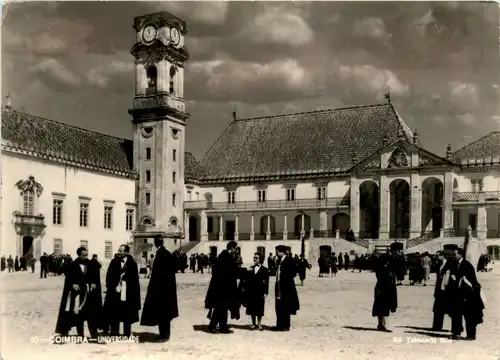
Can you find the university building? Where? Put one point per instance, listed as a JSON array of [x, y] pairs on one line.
[[303, 180]]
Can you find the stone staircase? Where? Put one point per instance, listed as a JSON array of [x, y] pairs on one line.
[[428, 236], [189, 246]]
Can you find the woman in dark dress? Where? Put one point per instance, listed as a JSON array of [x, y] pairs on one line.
[[386, 295], [256, 290], [333, 265]]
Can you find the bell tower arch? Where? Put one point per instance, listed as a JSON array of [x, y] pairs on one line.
[[159, 119]]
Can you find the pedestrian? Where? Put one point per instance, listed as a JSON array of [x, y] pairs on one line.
[[386, 296], [255, 291]]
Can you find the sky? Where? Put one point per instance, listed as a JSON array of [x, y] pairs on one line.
[[71, 62]]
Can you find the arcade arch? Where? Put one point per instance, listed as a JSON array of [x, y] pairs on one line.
[[369, 215], [399, 208]]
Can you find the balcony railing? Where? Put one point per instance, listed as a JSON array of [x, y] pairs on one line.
[[471, 196], [311, 203], [195, 205], [29, 225]]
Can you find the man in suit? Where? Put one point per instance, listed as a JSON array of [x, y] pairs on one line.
[[160, 306], [466, 300], [440, 294], [287, 299]]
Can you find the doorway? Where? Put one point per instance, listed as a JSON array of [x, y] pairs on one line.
[[494, 252], [437, 218], [27, 246], [230, 229], [193, 228], [325, 251]]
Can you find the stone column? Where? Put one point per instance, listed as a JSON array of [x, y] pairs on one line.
[[221, 226], [236, 221], [268, 232], [186, 226], [141, 82], [384, 208], [448, 202], [354, 206], [323, 222], [285, 227], [252, 228], [415, 206], [302, 229], [204, 225], [482, 217]]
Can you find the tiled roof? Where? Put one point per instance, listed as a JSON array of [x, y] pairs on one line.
[[191, 167], [321, 141], [485, 150], [43, 137]]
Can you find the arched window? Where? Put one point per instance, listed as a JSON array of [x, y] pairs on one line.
[[263, 225], [29, 202], [152, 75], [147, 221], [298, 224], [173, 72]]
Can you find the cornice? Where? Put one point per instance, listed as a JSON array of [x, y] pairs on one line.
[[60, 160]]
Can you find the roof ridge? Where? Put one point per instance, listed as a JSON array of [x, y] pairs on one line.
[[466, 146], [67, 125], [310, 112]]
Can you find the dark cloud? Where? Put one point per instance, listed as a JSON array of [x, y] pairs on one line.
[[438, 59]]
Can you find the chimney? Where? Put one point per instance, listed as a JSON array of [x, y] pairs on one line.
[[234, 115], [415, 137], [448, 151], [387, 96]]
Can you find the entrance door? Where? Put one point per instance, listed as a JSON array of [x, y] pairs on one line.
[[494, 252], [325, 251], [27, 246], [437, 218], [230, 229], [193, 229]]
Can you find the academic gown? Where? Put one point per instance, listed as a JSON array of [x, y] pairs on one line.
[[223, 289], [160, 305], [115, 309], [82, 305], [302, 266], [386, 293], [285, 287], [256, 286], [441, 296]]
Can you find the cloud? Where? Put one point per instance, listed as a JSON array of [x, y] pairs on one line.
[[464, 95], [277, 26], [468, 119], [371, 27], [101, 76], [373, 79], [55, 75], [204, 12]]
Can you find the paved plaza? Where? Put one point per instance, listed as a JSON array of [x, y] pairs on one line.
[[334, 322]]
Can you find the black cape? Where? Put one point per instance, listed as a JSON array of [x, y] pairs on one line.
[[223, 288], [285, 287]]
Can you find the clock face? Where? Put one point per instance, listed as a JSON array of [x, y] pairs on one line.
[[149, 33], [175, 36]]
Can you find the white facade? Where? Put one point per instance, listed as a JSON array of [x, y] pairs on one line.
[[73, 187]]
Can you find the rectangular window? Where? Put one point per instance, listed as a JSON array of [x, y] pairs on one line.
[[290, 194], [148, 176], [84, 215], [58, 246], [174, 175], [230, 197], [85, 244], [261, 196], [108, 217], [108, 249], [173, 200], [189, 194], [29, 203], [476, 185], [148, 153], [321, 193], [57, 208], [174, 155], [197, 196], [129, 221], [148, 198]]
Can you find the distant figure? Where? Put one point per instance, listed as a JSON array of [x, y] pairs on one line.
[[346, 261], [3, 264], [340, 261], [10, 263], [386, 295], [426, 265], [149, 266], [16, 264], [333, 265], [303, 266], [256, 290], [32, 262], [160, 305], [44, 265], [286, 297]]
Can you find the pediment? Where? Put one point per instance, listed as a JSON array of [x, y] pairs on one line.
[[399, 156], [428, 159]]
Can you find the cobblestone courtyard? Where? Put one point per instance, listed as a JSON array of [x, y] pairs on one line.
[[335, 320]]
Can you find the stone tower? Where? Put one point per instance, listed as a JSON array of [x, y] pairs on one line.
[[159, 118]]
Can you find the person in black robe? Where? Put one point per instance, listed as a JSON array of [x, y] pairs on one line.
[[399, 267], [386, 295], [44, 265], [160, 306], [3, 263], [466, 297], [286, 297], [303, 266], [256, 290], [123, 294], [222, 294], [347, 260], [81, 299], [16, 263], [441, 300], [340, 261], [333, 265]]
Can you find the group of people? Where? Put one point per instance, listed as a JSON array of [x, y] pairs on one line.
[[457, 292], [19, 263], [301, 264], [81, 299]]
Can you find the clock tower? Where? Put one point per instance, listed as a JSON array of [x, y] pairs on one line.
[[159, 118]]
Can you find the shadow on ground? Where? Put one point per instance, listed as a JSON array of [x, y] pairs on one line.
[[359, 328]]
